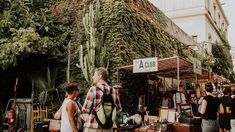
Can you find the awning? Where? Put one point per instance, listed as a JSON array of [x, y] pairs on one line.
[[167, 67]]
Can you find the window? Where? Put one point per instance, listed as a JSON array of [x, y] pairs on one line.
[[194, 37], [222, 26], [218, 20], [209, 37]]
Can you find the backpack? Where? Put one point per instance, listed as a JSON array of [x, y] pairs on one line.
[[106, 112]]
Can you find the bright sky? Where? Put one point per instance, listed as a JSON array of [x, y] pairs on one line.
[[230, 12]]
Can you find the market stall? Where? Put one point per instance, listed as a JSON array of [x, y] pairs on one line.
[[173, 67], [176, 67]]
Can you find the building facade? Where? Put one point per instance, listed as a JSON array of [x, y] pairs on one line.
[[233, 58], [203, 20]]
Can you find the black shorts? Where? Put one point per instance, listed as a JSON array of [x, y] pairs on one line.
[[224, 121]]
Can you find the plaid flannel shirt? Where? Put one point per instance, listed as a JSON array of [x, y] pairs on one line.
[[92, 101]]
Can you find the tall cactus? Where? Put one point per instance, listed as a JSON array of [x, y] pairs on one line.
[[95, 52]]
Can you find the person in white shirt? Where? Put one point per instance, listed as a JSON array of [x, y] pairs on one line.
[[70, 108], [179, 97]]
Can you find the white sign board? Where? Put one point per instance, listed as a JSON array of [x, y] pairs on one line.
[[145, 65], [197, 68]]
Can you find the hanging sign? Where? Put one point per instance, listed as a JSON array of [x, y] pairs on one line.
[[197, 66], [145, 65]]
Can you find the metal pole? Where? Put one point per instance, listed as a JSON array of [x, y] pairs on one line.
[[32, 97], [32, 94], [68, 64], [178, 73], [164, 85], [15, 89], [118, 75]]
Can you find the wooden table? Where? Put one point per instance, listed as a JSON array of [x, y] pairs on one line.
[[177, 127], [145, 129], [124, 129], [148, 129], [180, 127]]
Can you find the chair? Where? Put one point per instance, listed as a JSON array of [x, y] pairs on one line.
[[38, 114]]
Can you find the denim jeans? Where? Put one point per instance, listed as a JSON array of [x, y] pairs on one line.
[[210, 125]]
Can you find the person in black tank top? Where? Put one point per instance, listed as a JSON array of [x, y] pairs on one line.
[[227, 102], [212, 107], [209, 108]]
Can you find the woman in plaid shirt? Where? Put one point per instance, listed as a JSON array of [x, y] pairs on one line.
[[93, 99]]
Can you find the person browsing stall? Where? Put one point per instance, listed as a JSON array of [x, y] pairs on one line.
[[227, 102], [70, 108], [210, 107], [179, 97], [94, 98]]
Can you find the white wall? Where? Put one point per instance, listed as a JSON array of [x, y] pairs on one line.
[[172, 5], [180, 7], [211, 30], [190, 16], [198, 25], [193, 26], [215, 12]]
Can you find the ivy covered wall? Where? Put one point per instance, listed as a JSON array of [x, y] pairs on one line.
[[130, 31]]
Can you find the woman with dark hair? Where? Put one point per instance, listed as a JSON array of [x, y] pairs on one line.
[[69, 108], [227, 102], [209, 109]]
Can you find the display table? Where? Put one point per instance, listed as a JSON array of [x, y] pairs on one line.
[[129, 128], [145, 129], [123, 130], [152, 129], [176, 127], [180, 127]]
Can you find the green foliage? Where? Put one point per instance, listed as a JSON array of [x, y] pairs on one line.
[[32, 28], [127, 34], [21, 42], [95, 50], [49, 83], [223, 60], [232, 77], [121, 33], [46, 87], [160, 17], [87, 60], [223, 36], [208, 61]]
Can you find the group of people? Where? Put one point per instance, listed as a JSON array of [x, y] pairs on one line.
[[73, 114], [216, 111]]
